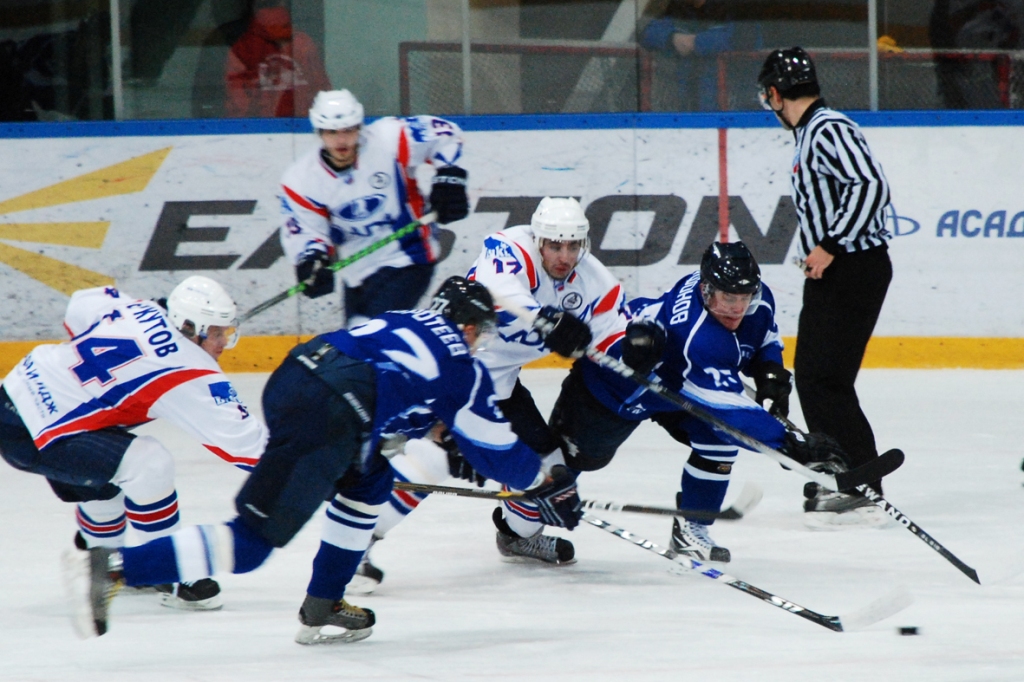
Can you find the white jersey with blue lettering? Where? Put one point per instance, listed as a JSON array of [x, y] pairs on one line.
[[126, 365], [352, 209], [510, 266]]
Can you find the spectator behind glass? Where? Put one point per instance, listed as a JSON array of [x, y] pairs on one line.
[[272, 70], [966, 82], [694, 33]]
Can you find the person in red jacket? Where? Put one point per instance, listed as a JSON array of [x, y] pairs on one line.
[[272, 70]]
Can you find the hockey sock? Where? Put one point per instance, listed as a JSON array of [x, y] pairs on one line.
[[102, 522], [153, 563], [705, 480], [155, 519], [522, 517], [344, 539], [422, 461], [333, 568]]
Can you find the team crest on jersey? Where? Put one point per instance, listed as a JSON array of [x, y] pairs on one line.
[[571, 301], [362, 208], [380, 180], [223, 392]]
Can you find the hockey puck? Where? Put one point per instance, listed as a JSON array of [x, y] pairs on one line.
[[908, 630]]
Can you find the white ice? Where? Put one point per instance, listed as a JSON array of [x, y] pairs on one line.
[[449, 609]]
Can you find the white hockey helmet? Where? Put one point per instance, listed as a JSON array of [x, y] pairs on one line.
[[335, 110], [560, 219], [203, 303]]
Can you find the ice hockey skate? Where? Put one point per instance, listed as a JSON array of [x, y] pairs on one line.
[[544, 548], [691, 539], [346, 623], [201, 595], [829, 510], [367, 576], [91, 579]]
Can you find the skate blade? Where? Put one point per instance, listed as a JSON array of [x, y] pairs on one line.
[[361, 584], [173, 602], [861, 517], [313, 634], [77, 583], [532, 560]]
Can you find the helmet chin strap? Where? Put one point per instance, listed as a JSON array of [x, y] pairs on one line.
[[782, 118]]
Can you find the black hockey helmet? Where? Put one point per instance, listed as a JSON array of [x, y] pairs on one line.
[[791, 71], [730, 267], [465, 301]]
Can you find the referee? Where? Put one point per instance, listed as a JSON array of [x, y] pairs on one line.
[[841, 196]]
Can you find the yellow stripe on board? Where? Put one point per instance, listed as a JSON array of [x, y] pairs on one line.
[[265, 353], [122, 178], [63, 277], [85, 235]]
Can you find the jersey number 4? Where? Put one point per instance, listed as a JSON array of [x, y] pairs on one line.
[[102, 355]]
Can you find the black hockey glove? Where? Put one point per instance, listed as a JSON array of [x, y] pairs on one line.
[[564, 334], [457, 464], [643, 345], [774, 382], [314, 269], [816, 450], [448, 194], [557, 500]]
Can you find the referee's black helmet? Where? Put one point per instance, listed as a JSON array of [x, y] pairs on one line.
[[792, 73], [730, 267]]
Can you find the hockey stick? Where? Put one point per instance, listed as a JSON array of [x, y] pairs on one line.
[[748, 498], [901, 518], [874, 612], [881, 466], [343, 263]]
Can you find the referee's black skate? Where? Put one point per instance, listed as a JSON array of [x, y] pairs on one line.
[[826, 510], [539, 547], [317, 613]]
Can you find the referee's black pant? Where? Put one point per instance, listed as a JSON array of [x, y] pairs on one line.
[[838, 316]]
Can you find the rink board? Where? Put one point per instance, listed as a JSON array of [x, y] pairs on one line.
[[144, 206]]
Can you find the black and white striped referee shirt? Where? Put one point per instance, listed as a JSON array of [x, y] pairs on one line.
[[839, 189]]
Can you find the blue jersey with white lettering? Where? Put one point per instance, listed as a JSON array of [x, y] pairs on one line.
[[703, 361], [425, 372]]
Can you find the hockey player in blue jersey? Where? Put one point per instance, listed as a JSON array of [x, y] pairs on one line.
[[328, 406], [697, 338]]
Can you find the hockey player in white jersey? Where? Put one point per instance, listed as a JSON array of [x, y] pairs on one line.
[[546, 267], [365, 384], [360, 187], [69, 408]]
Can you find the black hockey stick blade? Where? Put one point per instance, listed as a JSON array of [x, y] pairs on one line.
[[690, 566], [905, 521], [883, 465]]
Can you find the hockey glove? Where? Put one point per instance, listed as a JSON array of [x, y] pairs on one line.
[[457, 464], [314, 270], [564, 334], [643, 345], [774, 383], [817, 450], [448, 194], [557, 500]]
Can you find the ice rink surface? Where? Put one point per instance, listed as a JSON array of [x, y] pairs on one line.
[[450, 609]]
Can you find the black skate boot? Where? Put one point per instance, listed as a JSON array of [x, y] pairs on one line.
[[539, 547], [367, 576], [201, 595], [826, 509], [317, 613]]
